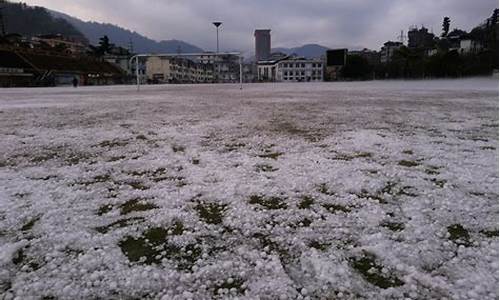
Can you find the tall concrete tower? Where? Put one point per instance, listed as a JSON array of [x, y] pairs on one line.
[[262, 44]]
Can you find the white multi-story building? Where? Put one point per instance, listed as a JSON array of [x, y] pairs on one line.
[[468, 46], [291, 69]]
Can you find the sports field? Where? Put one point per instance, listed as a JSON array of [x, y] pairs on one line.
[[376, 190]]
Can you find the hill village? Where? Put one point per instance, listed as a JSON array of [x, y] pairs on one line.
[[56, 59]]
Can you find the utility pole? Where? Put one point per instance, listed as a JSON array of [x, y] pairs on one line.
[[402, 37], [130, 46]]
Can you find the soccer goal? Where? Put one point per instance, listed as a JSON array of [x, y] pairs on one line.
[[204, 58]]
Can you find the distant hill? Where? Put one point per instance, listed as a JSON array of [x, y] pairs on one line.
[[122, 37], [308, 51], [31, 21]]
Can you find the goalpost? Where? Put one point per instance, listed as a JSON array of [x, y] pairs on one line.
[[177, 55]]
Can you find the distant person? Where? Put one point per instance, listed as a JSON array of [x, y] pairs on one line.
[[75, 82]]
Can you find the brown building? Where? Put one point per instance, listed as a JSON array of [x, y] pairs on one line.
[[31, 68]]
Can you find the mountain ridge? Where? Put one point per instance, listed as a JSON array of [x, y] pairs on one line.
[[308, 50], [124, 37]]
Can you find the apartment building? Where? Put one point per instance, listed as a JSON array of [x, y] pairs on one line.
[[178, 70], [388, 50]]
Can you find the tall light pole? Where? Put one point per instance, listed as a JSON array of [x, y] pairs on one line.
[[217, 25]]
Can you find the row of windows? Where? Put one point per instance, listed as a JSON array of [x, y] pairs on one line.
[[303, 73], [302, 78], [301, 65]]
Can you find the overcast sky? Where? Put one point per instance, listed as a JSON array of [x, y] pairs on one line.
[[332, 23]]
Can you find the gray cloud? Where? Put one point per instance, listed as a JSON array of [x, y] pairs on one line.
[[332, 23]]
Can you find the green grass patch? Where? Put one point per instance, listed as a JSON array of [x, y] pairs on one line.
[[116, 158], [19, 257], [408, 163], [394, 226], [136, 205], [459, 235], [490, 233], [439, 182], [265, 168], [324, 189], [372, 272], [349, 157], [394, 189], [153, 246], [211, 213], [266, 242], [318, 245], [178, 148], [302, 223], [119, 224], [177, 228], [268, 202], [145, 249], [306, 202], [233, 147], [274, 156], [432, 171], [104, 209], [29, 225], [44, 157], [113, 143], [137, 185], [364, 194]]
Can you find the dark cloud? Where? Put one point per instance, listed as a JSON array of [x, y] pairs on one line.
[[351, 23]]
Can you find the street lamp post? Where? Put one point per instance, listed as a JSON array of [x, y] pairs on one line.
[[217, 25]]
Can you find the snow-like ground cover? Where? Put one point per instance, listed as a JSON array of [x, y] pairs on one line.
[[379, 190]]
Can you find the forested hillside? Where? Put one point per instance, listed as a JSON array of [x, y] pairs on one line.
[[31, 20]]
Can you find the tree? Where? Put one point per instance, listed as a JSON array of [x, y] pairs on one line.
[[357, 67], [457, 32], [446, 26], [494, 18], [104, 47]]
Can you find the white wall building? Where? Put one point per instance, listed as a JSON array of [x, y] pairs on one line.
[[469, 47], [291, 69]]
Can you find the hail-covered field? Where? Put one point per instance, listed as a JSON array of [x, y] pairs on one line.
[[380, 190]]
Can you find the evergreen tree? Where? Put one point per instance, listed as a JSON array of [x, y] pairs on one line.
[[446, 26], [357, 67], [105, 45]]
